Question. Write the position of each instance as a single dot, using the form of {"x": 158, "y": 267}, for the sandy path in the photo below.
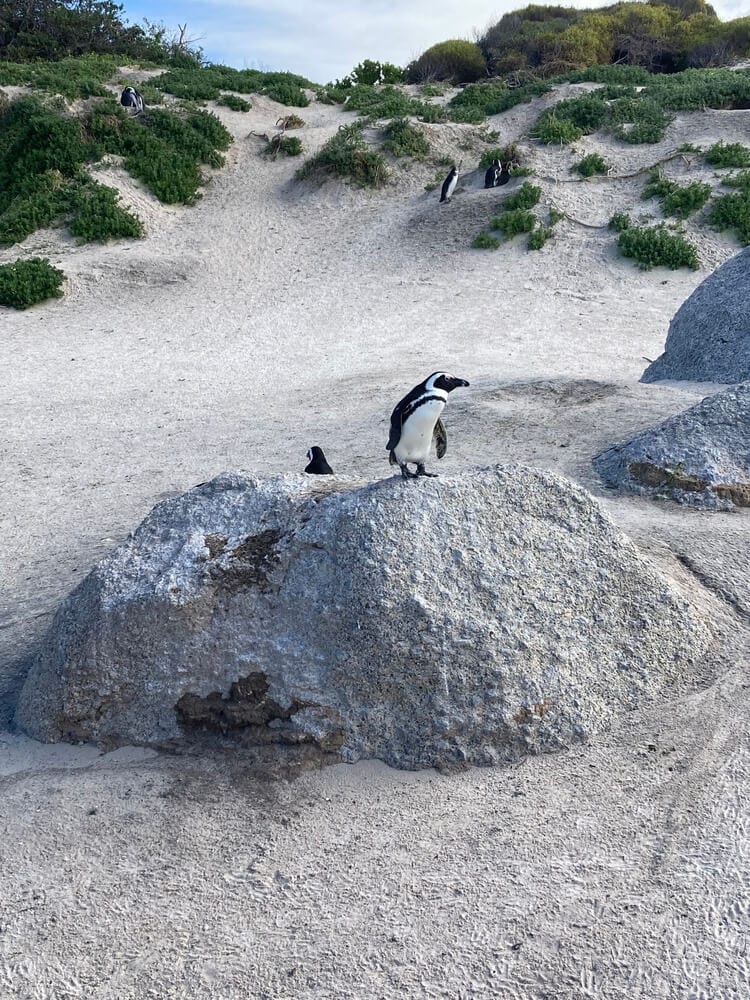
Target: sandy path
{"x": 271, "y": 317}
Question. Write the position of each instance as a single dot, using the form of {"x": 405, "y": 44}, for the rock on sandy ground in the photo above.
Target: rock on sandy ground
{"x": 269, "y": 318}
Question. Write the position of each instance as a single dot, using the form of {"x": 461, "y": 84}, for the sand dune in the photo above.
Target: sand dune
{"x": 272, "y": 316}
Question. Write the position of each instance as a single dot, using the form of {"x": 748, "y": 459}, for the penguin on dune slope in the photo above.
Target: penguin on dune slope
{"x": 449, "y": 184}
{"x": 416, "y": 421}
{"x": 318, "y": 465}
{"x": 492, "y": 174}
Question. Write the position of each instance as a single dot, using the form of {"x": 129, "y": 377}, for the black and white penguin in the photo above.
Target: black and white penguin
{"x": 130, "y": 98}
{"x": 416, "y": 420}
{"x": 318, "y": 465}
{"x": 503, "y": 174}
{"x": 492, "y": 174}
{"x": 449, "y": 184}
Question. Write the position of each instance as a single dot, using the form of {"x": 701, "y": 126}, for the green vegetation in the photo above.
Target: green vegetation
{"x": 289, "y": 145}
{"x": 620, "y": 221}
{"x": 655, "y": 246}
{"x": 526, "y": 197}
{"x": 232, "y": 101}
{"x": 574, "y": 117}
{"x": 676, "y": 199}
{"x": 638, "y": 119}
{"x": 513, "y": 222}
{"x": 73, "y": 78}
{"x": 432, "y": 89}
{"x": 476, "y": 101}
{"x": 538, "y": 237}
{"x": 506, "y": 154}
{"x": 553, "y": 131}
{"x": 205, "y": 83}
{"x": 485, "y": 241}
{"x": 370, "y": 72}
{"x": 456, "y": 60}
{"x": 97, "y": 217}
{"x": 347, "y": 155}
{"x": 728, "y": 154}
{"x": 290, "y": 121}
{"x": 732, "y": 211}
{"x": 740, "y": 180}
{"x": 403, "y": 139}
{"x": 590, "y": 165}
{"x": 26, "y": 282}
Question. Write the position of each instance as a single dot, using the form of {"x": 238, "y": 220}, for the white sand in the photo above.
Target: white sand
{"x": 271, "y": 317}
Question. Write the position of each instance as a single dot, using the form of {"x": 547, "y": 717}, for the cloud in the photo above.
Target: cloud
{"x": 325, "y": 39}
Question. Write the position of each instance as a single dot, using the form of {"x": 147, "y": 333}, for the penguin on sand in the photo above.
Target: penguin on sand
{"x": 318, "y": 465}
{"x": 416, "y": 421}
{"x": 449, "y": 184}
{"x": 492, "y": 174}
{"x": 503, "y": 174}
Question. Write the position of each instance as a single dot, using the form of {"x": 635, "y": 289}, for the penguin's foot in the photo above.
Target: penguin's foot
{"x": 405, "y": 474}
{"x": 422, "y": 472}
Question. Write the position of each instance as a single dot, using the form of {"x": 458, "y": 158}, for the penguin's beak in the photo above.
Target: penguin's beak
{"x": 457, "y": 383}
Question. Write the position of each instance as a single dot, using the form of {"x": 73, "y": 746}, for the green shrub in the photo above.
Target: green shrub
{"x": 638, "y": 120}
{"x": 555, "y": 215}
{"x": 289, "y": 145}
{"x": 475, "y": 102}
{"x": 151, "y": 95}
{"x": 456, "y": 60}
{"x": 514, "y": 222}
{"x": 620, "y": 221}
{"x": 538, "y": 237}
{"x": 732, "y": 211}
{"x": 740, "y": 180}
{"x": 506, "y": 154}
{"x": 347, "y": 155}
{"x": 205, "y": 83}
{"x": 234, "y": 102}
{"x": 551, "y": 130}
{"x": 485, "y": 241}
{"x": 97, "y": 217}
{"x": 696, "y": 89}
{"x": 78, "y": 77}
{"x": 331, "y": 94}
{"x": 527, "y": 196}
{"x": 26, "y": 282}
{"x": 588, "y": 112}
{"x": 431, "y": 113}
{"x": 655, "y": 246}
{"x": 432, "y": 89}
{"x": 371, "y": 72}
{"x": 384, "y": 102}
{"x": 290, "y": 121}
{"x": 590, "y": 165}
{"x": 728, "y": 154}
{"x": 622, "y": 75}
{"x": 676, "y": 199}
{"x": 43, "y": 198}
{"x": 403, "y": 139}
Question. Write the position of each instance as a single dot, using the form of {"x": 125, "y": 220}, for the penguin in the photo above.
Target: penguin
{"x": 416, "y": 421}
{"x": 503, "y": 175}
{"x": 492, "y": 174}
{"x": 130, "y": 98}
{"x": 449, "y": 184}
{"x": 318, "y": 465}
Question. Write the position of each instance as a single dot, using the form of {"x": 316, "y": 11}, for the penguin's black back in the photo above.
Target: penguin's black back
{"x": 447, "y": 183}
{"x": 318, "y": 466}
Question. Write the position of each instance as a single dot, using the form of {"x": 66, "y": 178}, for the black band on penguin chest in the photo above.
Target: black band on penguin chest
{"x": 420, "y": 402}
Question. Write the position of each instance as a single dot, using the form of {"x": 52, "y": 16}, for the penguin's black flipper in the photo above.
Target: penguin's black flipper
{"x": 441, "y": 438}
{"x": 395, "y": 435}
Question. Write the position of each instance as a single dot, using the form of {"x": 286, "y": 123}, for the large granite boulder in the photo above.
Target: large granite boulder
{"x": 700, "y": 457}
{"x": 709, "y": 337}
{"x": 471, "y": 618}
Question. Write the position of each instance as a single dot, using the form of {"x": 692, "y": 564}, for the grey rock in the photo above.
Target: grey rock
{"x": 709, "y": 337}
{"x": 471, "y": 618}
{"x": 700, "y": 457}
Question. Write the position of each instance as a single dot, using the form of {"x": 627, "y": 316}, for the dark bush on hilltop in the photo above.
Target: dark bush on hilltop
{"x": 370, "y": 72}
{"x": 347, "y": 155}
{"x": 456, "y": 60}
{"x": 26, "y": 282}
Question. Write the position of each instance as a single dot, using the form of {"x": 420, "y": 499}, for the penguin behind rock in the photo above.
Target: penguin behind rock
{"x": 318, "y": 465}
{"x": 416, "y": 421}
{"x": 449, "y": 184}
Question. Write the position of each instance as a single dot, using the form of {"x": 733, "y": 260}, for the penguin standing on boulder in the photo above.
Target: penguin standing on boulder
{"x": 318, "y": 465}
{"x": 449, "y": 184}
{"x": 492, "y": 174}
{"x": 416, "y": 420}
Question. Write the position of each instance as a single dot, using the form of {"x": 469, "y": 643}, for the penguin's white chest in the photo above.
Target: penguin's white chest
{"x": 416, "y": 432}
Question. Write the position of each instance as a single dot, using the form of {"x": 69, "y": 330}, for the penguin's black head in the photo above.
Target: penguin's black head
{"x": 315, "y": 452}
{"x": 446, "y": 382}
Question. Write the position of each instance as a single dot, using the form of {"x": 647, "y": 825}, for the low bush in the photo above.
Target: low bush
{"x": 732, "y": 211}
{"x": 485, "y": 241}
{"x": 680, "y": 200}
{"x": 556, "y": 131}
{"x": 456, "y": 60}
{"x": 638, "y": 120}
{"x": 347, "y": 155}
{"x": 289, "y": 145}
{"x": 97, "y": 216}
{"x": 431, "y": 113}
{"x": 655, "y": 246}
{"x": 383, "y": 102}
{"x": 26, "y": 282}
{"x": 538, "y": 237}
{"x": 79, "y": 77}
{"x": 403, "y": 139}
{"x": 620, "y": 221}
{"x": 526, "y": 197}
{"x": 290, "y": 121}
{"x": 506, "y": 154}
{"x": 590, "y": 165}
{"x": 475, "y": 102}
{"x": 513, "y": 222}
{"x": 555, "y": 215}
{"x": 371, "y": 72}
{"x": 740, "y": 180}
{"x": 728, "y": 154}
{"x": 234, "y": 102}
{"x": 204, "y": 83}
{"x": 432, "y": 89}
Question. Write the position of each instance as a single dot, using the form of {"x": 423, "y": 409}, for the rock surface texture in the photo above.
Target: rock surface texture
{"x": 709, "y": 336}
{"x": 700, "y": 457}
{"x": 470, "y": 618}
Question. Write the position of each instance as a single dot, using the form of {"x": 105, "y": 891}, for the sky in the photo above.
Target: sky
{"x": 324, "y": 39}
